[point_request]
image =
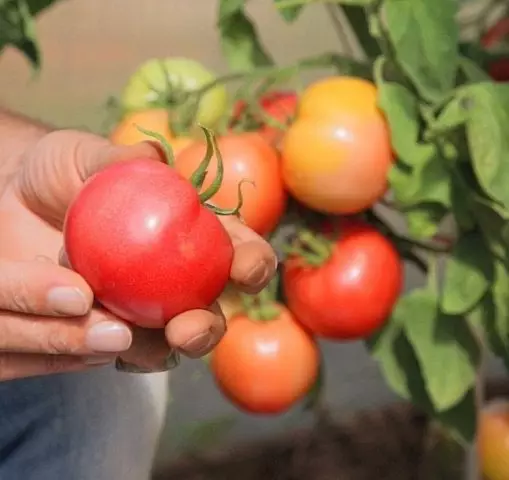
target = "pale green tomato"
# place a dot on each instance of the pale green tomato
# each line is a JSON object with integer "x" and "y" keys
{"x": 157, "y": 80}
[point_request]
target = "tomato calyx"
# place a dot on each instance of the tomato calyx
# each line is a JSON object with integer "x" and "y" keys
{"x": 198, "y": 176}
{"x": 312, "y": 247}
{"x": 263, "y": 307}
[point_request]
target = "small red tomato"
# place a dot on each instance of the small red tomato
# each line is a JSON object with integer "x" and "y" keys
{"x": 265, "y": 366}
{"x": 352, "y": 293}
{"x": 281, "y": 106}
{"x": 499, "y": 70}
{"x": 138, "y": 234}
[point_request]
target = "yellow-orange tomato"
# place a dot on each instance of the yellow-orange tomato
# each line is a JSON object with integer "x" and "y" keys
{"x": 265, "y": 366}
{"x": 246, "y": 156}
{"x": 156, "y": 120}
{"x": 493, "y": 442}
{"x": 337, "y": 154}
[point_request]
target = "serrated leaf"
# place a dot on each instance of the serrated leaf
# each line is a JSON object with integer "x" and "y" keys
{"x": 239, "y": 38}
{"x": 424, "y": 35}
{"x": 445, "y": 346}
{"x": 289, "y": 13}
{"x": 468, "y": 275}
{"x": 487, "y": 137}
{"x": 423, "y": 221}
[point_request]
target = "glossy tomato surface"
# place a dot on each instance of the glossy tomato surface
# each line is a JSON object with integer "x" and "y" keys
{"x": 337, "y": 153}
{"x": 246, "y": 156}
{"x": 265, "y": 366}
{"x": 139, "y": 236}
{"x": 352, "y": 294}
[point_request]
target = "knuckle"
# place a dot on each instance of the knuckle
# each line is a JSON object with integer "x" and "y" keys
{"x": 58, "y": 342}
{"x": 15, "y": 296}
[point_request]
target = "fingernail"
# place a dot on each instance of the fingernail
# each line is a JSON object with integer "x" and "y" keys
{"x": 99, "y": 360}
{"x": 67, "y": 301}
{"x": 257, "y": 276}
{"x": 108, "y": 336}
{"x": 169, "y": 363}
{"x": 196, "y": 346}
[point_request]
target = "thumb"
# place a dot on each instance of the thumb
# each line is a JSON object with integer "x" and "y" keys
{"x": 58, "y": 165}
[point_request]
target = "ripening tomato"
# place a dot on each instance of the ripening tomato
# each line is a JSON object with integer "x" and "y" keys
{"x": 496, "y": 34}
{"x": 155, "y": 119}
{"x": 265, "y": 366}
{"x": 499, "y": 70}
{"x": 280, "y": 106}
{"x": 158, "y": 82}
{"x": 337, "y": 154}
{"x": 493, "y": 441}
{"x": 246, "y": 156}
{"x": 138, "y": 234}
{"x": 352, "y": 293}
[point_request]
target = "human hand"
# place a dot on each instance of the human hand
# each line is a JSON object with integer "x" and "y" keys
{"x": 49, "y": 321}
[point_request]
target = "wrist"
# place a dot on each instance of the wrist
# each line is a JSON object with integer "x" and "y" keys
{"x": 17, "y": 134}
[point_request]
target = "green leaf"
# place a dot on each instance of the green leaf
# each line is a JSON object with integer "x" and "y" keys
{"x": 17, "y": 28}
{"x": 468, "y": 274}
{"x": 471, "y": 72}
{"x": 239, "y": 38}
{"x": 445, "y": 346}
{"x": 423, "y": 221}
{"x": 424, "y": 35}
{"x": 397, "y": 361}
{"x": 289, "y": 13}
{"x": 496, "y": 314}
{"x": 487, "y": 137}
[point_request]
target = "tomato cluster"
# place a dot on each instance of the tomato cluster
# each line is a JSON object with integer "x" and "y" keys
{"x": 326, "y": 151}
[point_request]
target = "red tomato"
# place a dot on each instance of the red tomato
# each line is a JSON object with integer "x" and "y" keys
{"x": 281, "y": 106}
{"x": 246, "y": 156}
{"x": 499, "y": 70}
{"x": 496, "y": 34}
{"x": 138, "y": 234}
{"x": 353, "y": 292}
{"x": 265, "y": 366}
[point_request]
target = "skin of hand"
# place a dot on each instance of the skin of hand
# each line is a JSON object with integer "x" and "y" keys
{"x": 49, "y": 321}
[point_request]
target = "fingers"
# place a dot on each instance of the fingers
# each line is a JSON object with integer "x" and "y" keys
{"x": 43, "y": 288}
{"x": 61, "y": 161}
{"x": 195, "y": 333}
{"x": 254, "y": 262}
{"x": 14, "y": 365}
{"x": 97, "y": 333}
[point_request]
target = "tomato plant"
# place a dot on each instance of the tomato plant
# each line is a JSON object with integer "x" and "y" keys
{"x": 266, "y": 362}
{"x": 170, "y": 83}
{"x": 148, "y": 244}
{"x": 343, "y": 288}
{"x": 246, "y": 156}
{"x": 274, "y": 111}
{"x": 328, "y": 162}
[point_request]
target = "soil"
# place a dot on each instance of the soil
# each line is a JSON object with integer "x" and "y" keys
{"x": 394, "y": 443}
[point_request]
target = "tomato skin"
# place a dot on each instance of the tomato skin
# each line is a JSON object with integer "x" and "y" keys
{"x": 139, "y": 236}
{"x": 493, "y": 441}
{"x": 337, "y": 154}
{"x": 183, "y": 73}
{"x": 265, "y": 367}
{"x": 499, "y": 70}
{"x": 352, "y": 294}
{"x": 281, "y": 106}
{"x": 126, "y": 131}
{"x": 246, "y": 156}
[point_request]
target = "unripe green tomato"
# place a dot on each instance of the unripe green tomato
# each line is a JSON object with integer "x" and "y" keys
{"x": 149, "y": 86}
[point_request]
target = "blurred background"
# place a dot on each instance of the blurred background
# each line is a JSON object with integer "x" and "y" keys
{"x": 90, "y": 47}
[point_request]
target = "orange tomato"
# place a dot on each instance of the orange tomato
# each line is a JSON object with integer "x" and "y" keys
{"x": 246, "y": 156}
{"x": 156, "y": 120}
{"x": 337, "y": 154}
{"x": 493, "y": 441}
{"x": 265, "y": 366}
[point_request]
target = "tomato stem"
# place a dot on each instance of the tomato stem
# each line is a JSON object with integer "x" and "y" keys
{"x": 168, "y": 151}
{"x": 314, "y": 248}
{"x": 263, "y": 306}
